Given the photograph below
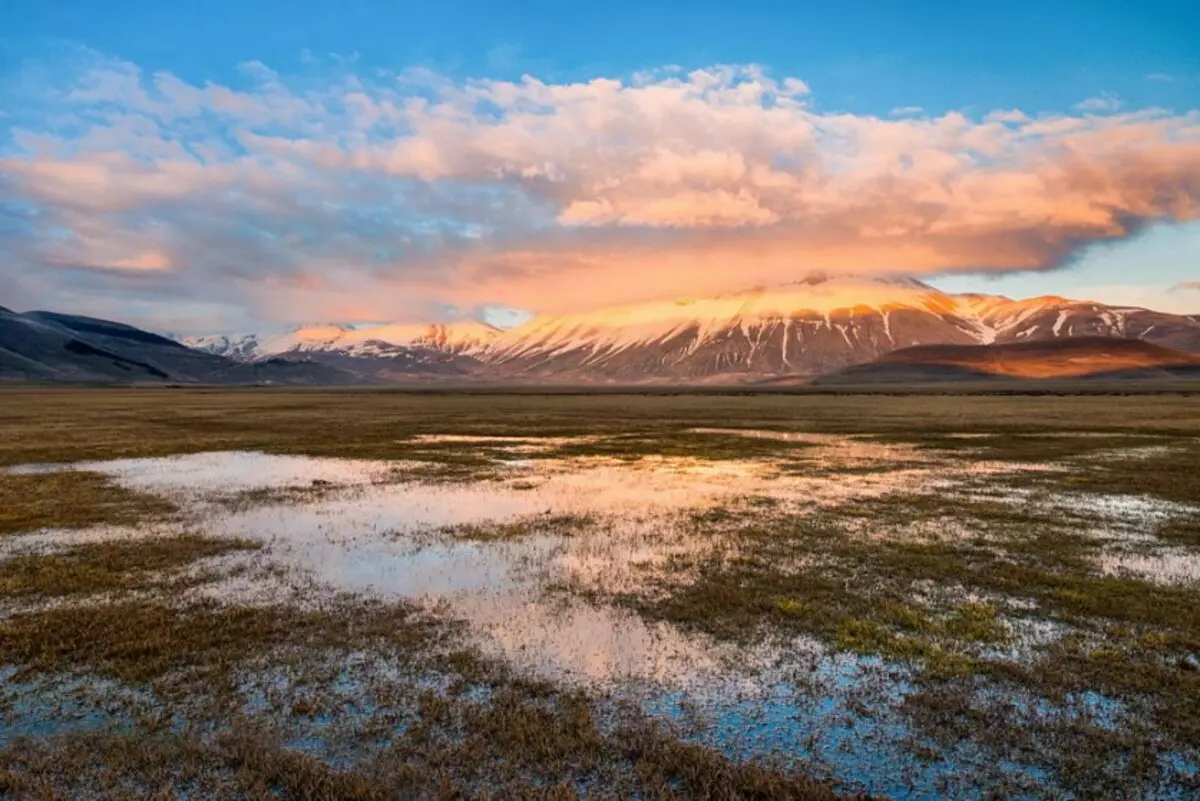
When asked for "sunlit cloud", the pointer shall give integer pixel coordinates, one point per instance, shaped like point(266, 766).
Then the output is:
point(393, 195)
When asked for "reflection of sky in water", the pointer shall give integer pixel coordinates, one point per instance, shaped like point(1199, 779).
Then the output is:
point(835, 714)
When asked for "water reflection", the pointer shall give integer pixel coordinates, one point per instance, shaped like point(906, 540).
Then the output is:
point(491, 553)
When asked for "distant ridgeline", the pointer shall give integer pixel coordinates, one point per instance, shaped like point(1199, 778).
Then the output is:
point(842, 330)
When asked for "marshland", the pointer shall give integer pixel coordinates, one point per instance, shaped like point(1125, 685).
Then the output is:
point(356, 594)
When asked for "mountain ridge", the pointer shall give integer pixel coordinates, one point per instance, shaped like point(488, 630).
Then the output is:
point(806, 328)
point(45, 346)
point(809, 328)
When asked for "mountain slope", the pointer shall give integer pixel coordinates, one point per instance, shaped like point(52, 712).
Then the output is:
point(808, 328)
point(46, 346)
point(34, 348)
point(1082, 357)
point(464, 337)
point(386, 352)
point(165, 357)
point(1051, 317)
point(812, 327)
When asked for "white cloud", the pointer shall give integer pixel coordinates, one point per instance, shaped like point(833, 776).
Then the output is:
point(1100, 103)
point(389, 195)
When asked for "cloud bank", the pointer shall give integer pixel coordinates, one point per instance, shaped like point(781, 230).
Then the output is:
point(377, 195)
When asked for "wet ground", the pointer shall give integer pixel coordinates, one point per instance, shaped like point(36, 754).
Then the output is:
point(829, 605)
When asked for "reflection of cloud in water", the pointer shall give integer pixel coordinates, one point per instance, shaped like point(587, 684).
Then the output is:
point(368, 532)
point(375, 536)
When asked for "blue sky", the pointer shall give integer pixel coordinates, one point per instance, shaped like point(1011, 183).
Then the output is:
point(291, 118)
point(863, 56)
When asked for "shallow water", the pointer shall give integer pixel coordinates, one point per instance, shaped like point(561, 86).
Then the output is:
point(372, 531)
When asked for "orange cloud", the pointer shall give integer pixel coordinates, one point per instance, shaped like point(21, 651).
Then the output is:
point(416, 190)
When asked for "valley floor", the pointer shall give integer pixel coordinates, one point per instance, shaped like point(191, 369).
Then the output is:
point(381, 594)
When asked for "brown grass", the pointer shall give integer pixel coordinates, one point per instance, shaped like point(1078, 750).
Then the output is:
point(72, 499)
point(68, 425)
point(113, 566)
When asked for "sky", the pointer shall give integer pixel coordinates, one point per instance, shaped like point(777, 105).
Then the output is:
point(222, 166)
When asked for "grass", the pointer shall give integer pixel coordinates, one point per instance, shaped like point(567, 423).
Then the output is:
point(1106, 463)
point(1021, 446)
point(518, 745)
point(72, 499)
point(709, 445)
point(949, 610)
point(60, 425)
point(139, 641)
point(1173, 475)
point(367, 699)
point(115, 566)
point(543, 525)
point(480, 732)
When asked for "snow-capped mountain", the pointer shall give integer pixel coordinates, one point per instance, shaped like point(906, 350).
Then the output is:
point(807, 328)
point(239, 347)
point(457, 338)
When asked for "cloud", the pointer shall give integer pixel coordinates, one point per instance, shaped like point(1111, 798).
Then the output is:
point(1007, 115)
point(354, 195)
point(1184, 285)
point(905, 111)
point(1105, 102)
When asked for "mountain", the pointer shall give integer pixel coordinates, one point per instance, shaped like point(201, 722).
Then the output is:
point(34, 350)
point(385, 352)
point(1068, 358)
point(1051, 317)
point(238, 347)
point(815, 326)
point(464, 337)
point(812, 327)
point(806, 328)
point(46, 346)
point(162, 356)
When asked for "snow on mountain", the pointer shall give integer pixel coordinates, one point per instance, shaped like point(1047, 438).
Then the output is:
point(807, 328)
point(804, 328)
point(382, 341)
point(239, 347)
point(813, 326)
point(1052, 317)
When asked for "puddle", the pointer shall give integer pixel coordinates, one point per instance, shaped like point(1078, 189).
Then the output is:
point(213, 472)
point(590, 522)
point(509, 443)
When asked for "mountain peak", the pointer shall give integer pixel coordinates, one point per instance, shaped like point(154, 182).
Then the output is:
point(457, 337)
point(813, 325)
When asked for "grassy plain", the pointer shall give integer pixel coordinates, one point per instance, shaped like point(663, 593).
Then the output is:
point(950, 607)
